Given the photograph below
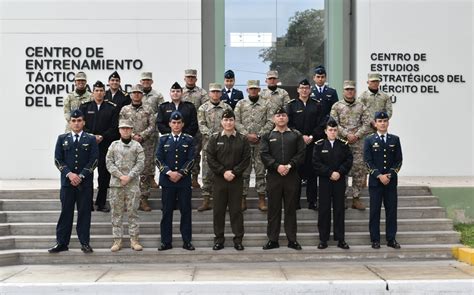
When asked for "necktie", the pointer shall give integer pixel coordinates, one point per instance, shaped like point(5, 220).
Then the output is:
point(176, 137)
point(321, 89)
point(228, 91)
point(76, 138)
point(383, 137)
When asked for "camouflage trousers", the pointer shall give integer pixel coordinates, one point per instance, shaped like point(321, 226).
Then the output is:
point(358, 171)
point(119, 198)
point(256, 163)
point(146, 177)
point(197, 158)
point(207, 175)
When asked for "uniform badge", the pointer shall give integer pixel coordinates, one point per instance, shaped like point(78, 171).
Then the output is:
point(324, 151)
point(376, 144)
point(66, 143)
point(90, 112)
point(299, 111)
point(391, 145)
point(273, 139)
point(220, 143)
point(169, 111)
point(185, 145)
point(166, 145)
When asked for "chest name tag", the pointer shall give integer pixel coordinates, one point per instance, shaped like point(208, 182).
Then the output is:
point(169, 111)
point(166, 145)
point(391, 145)
point(90, 112)
point(324, 151)
point(220, 143)
point(273, 139)
point(185, 145)
point(299, 111)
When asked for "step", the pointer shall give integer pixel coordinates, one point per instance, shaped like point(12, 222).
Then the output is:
point(250, 239)
point(55, 204)
point(250, 214)
point(226, 255)
point(54, 193)
point(199, 227)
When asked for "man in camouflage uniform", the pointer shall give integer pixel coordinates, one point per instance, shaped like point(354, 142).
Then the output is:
point(152, 98)
point(74, 99)
point(375, 99)
point(198, 96)
point(277, 97)
point(143, 120)
point(209, 119)
point(125, 161)
point(253, 119)
point(353, 122)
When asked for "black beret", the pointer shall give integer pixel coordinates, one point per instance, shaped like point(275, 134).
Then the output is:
point(98, 84)
point(114, 75)
point(331, 123)
point(304, 82)
point(176, 86)
point(77, 114)
point(228, 114)
point(176, 115)
point(229, 74)
point(280, 110)
point(381, 115)
point(320, 70)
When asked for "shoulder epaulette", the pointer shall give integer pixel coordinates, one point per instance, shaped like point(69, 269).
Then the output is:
point(87, 101)
point(319, 141)
point(185, 134)
point(112, 103)
point(166, 134)
point(313, 98)
point(343, 141)
point(293, 99)
point(124, 93)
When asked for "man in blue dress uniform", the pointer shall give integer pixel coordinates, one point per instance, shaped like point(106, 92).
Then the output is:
point(76, 156)
point(175, 158)
point(323, 94)
point(383, 155)
point(231, 95)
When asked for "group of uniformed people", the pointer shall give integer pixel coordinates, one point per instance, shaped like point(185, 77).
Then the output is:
point(290, 144)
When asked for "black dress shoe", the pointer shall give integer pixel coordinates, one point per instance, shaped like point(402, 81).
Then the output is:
point(343, 245)
point(188, 246)
point(238, 246)
point(322, 245)
point(58, 248)
point(294, 245)
point(393, 244)
point(218, 246)
point(164, 247)
point(86, 248)
point(271, 245)
point(104, 209)
point(376, 245)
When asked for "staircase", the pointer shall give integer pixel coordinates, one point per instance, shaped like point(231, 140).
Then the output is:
point(28, 222)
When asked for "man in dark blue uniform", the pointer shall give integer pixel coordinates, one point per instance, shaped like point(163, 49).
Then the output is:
point(101, 121)
point(332, 160)
point(323, 94)
point(115, 93)
point(186, 109)
point(230, 95)
point(175, 158)
point(76, 155)
point(383, 155)
point(304, 115)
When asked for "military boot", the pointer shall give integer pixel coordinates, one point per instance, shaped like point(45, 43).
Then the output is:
point(206, 204)
point(261, 202)
point(153, 183)
point(243, 205)
point(144, 206)
point(117, 245)
point(135, 244)
point(357, 204)
point(195, 183)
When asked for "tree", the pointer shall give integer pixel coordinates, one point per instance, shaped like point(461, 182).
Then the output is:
point(300, 50)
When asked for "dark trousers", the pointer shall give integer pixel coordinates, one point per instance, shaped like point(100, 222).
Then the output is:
point(104, 176)
point(307, 173)
point(169, 197)
point(282, 188)
point(70, 196)
point(331, 192)
point(225, 193)
point(387, 195)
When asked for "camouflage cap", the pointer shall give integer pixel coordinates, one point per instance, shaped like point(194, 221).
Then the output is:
point(375, 77)
point(137, 88)
point(349, 84)
point(146, 76)
point(381, 115)
point(80, 76)
point(272, 74)
point(125, 124)
point(253, 84)
point(190, 73)
point(215, 87)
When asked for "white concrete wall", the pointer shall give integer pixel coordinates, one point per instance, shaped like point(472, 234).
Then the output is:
point(164, 34)
point(436, 129)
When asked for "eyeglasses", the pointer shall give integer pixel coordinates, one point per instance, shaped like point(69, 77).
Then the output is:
point(76, 120)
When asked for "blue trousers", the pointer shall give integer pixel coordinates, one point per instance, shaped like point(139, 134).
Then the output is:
point(387, 195)
point(168, 200)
